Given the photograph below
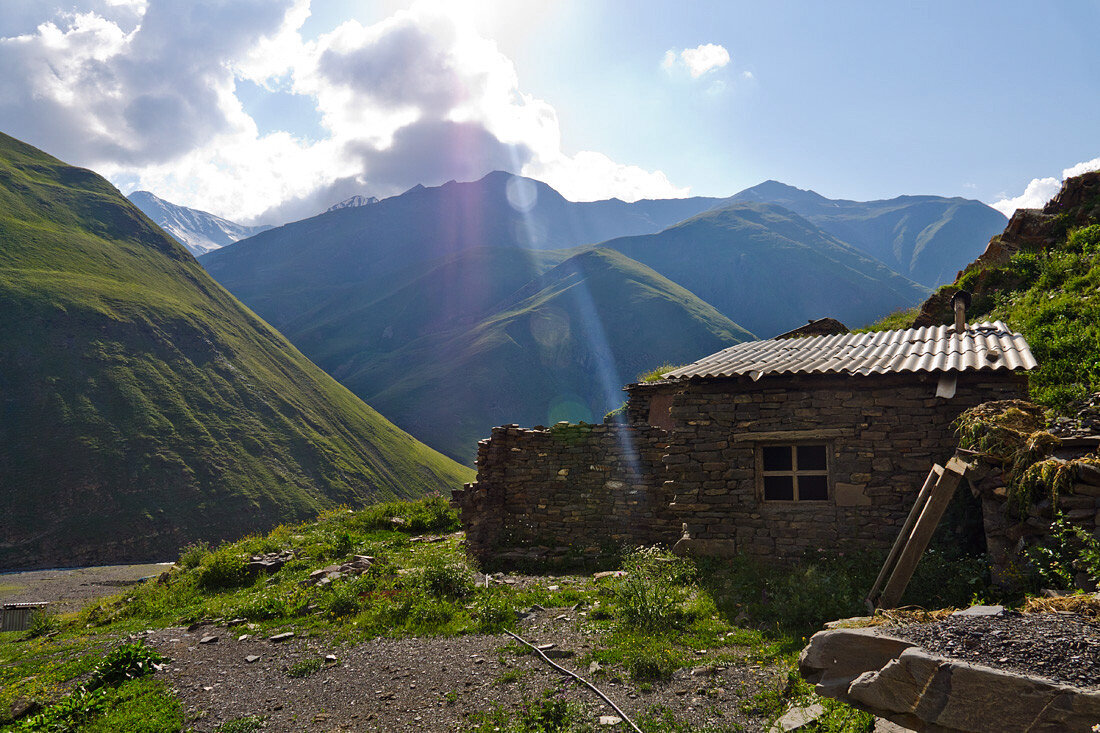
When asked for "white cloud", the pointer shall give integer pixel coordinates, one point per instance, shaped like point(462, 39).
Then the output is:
point(144, 92)
point(699, 60)
point(1041, 190)
point(1087, 167)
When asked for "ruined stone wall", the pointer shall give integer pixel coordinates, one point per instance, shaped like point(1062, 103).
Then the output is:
point(883, 433)
point(569, 493)
point(1009, 532)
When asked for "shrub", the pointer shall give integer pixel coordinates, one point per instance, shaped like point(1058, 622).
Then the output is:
point(192, 555)
point(263, 608)
point(652, 663)
point(431, 514)
point(492, 612)
point(443, 578)
point(1068, 551)
point(125, 662)
point(41, 624)
point(222, 569)
point(342, 600)
point(652, 594)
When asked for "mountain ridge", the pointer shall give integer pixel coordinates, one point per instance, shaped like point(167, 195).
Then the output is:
point(199, 231)
point(181, 416)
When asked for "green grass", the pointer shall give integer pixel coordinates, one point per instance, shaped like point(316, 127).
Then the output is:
point(645, 626)
point(181, 414)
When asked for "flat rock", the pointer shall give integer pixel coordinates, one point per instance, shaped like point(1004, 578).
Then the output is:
point(610, 720)
point(252, 658)
point(208, 640)
point(797, 718)
point(981, 611)
point(282, 637)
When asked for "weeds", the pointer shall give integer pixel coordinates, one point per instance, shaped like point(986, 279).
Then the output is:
point(652, 596)
point(97, 696)
point(1069, 551)
point(247, 724)
point(305, 668)
point(222, 569)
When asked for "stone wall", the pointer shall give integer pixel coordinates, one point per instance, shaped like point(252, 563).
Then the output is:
point(883, 433)
point(569, 493)
point(1008, 533)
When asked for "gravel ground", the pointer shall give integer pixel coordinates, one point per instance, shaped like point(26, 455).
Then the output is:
point(431, 684)
point(70, 589)
point(1063, 647)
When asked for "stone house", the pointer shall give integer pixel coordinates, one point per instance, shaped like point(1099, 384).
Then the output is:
point(768, 448)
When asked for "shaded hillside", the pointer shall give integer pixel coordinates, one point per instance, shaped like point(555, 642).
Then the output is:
point(770, 270)
point(1041, 276)
point(925, 238)
point(199, 231)
point(142, 407)
point(293, 268)
point(560, 348)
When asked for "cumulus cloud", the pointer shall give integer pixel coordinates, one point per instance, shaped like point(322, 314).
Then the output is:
point(699, 60)
point(1041, 190)
point(144, 91)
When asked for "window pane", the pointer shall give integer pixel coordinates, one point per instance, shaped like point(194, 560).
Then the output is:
point(811, 458)
point(813, 488)
point(778, 488)
point(777, 458)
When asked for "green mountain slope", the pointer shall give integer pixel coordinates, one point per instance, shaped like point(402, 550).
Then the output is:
point(925, 238)
point(770, 270)
point(141, 406)
point(559, 348)
point(296, 267)
point(1041, 276)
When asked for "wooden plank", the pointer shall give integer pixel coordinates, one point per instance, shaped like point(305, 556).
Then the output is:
point(925, 527)
point(903, 535)
point(792, 435)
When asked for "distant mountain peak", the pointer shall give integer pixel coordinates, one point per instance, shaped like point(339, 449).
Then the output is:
point(199, 231)
point(353, 202)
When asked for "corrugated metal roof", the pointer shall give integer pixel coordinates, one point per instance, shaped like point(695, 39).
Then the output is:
point(929, 349)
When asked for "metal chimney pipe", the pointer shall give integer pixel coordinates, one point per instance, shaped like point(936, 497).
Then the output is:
point(960, 301)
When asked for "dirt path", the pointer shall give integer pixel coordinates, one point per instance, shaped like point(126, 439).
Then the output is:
point(69, 589)
point(426, 684)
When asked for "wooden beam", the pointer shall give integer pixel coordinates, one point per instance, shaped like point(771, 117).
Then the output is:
point(925, 527)
point(792, 435)
point(903, 535)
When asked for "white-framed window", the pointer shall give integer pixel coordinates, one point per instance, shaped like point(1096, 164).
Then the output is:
point(793, 471)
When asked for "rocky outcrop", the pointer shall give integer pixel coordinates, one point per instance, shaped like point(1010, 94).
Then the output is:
point(1029, 230)
point(894, 679)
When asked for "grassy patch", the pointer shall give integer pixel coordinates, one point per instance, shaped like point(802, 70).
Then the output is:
point(664, 614)
point(247, 724)
point(305, 668)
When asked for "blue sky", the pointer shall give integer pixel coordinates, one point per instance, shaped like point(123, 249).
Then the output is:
point(273, 109)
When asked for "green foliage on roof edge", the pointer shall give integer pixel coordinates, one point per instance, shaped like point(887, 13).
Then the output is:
point(142, 406)
point(1048, 290)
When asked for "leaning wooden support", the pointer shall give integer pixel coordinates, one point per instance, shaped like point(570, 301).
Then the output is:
point(903, 535)
point(914, 538)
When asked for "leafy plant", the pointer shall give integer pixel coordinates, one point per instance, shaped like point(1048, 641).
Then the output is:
point(492, 612)
point(41, 624)
point(223, 569)
point(247, 724)
point(305, 667)
point(444, 578)
point(192, 555)
point(125, 662)
point(1069, 549)
point(652, 594)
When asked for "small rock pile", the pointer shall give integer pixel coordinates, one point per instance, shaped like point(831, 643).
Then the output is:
point(357, 565)
point(270, 562)
point(1083, 420)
